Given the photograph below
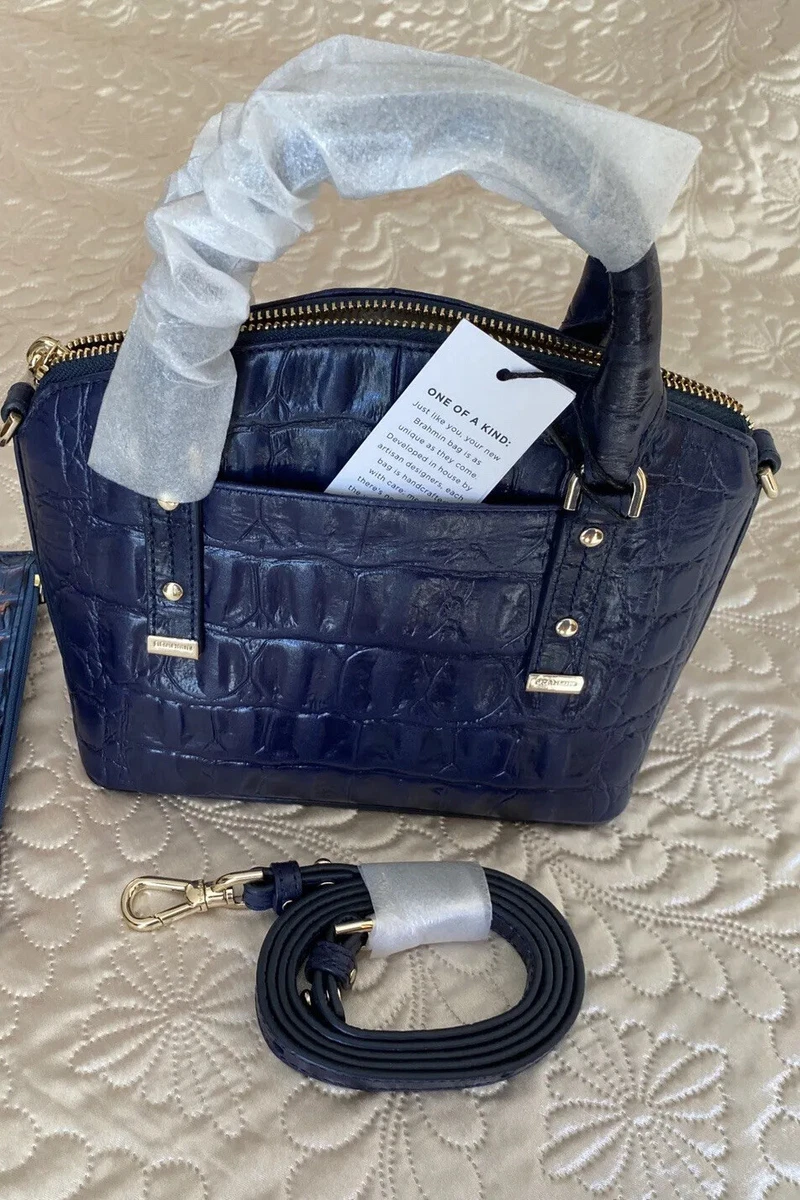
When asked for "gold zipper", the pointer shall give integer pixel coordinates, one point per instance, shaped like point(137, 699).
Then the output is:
point(46, 352)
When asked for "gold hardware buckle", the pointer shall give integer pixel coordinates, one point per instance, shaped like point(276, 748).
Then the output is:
point(574, 487)
point(197, 896)
point(10, 427)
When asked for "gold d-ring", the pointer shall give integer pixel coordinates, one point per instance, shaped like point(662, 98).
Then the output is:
point(572, 494)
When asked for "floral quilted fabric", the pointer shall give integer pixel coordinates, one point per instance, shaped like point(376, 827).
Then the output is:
point(131, 1066)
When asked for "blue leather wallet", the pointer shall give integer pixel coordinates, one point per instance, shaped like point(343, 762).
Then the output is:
point(19, 595)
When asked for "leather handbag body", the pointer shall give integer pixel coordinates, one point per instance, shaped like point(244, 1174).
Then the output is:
point(506, 659)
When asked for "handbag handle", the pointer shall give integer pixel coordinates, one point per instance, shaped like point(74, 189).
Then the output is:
point(373, 118)
point(622, 311)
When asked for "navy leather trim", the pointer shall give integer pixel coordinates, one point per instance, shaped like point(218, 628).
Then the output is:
point(18, 604)
point(174, 554)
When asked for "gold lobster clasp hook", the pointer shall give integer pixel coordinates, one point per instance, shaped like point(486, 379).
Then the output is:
point(196, 896)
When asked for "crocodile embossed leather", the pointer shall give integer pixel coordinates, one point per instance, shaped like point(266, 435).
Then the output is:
point(506, 659)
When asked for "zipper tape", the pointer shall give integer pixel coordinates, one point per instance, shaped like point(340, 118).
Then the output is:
point(377, 310)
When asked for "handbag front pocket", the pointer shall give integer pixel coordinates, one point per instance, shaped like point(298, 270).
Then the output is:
point(370, 609)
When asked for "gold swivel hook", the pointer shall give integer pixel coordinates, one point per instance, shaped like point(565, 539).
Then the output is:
point(197, 896)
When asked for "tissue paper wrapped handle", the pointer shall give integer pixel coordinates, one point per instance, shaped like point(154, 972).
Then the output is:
point(373, 118)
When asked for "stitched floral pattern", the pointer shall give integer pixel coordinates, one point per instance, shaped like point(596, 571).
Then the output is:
point(432, 1140)
point(780, 1136)
point(169, 1028)
point(131, 1067)
point(629, 1110)
point(715, 762)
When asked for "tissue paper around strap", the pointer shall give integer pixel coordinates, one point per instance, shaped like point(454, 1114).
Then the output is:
point(371, 118)
point(423, 903)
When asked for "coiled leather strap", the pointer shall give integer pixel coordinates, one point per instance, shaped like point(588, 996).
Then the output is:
point(311, 1034)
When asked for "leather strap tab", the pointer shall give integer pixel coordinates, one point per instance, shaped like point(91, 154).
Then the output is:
point(13, 412)
point(768, 455)
point(17, 401)
point(174, 557)
point(575, 583)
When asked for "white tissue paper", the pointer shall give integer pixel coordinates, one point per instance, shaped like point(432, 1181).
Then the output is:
point(371, 118)
point(426, 903)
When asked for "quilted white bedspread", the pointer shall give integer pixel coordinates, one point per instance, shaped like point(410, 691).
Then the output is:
point(131, 1066)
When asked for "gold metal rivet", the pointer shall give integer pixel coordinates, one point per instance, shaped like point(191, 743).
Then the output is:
point(592, 537)
point(567, 627)
point(172, 591)
point(168, 505)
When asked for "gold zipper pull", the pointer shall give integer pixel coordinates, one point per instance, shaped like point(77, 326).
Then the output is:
point(43, 354)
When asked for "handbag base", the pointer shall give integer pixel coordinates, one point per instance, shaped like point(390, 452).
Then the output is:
point(155, 773)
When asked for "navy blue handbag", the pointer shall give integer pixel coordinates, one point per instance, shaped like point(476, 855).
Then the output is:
point(506, 659)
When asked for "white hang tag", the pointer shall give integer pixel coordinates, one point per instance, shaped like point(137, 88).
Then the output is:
point(457, 429)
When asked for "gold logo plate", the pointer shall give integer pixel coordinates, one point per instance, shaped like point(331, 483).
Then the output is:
point(173, 647)
point(567, 684)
